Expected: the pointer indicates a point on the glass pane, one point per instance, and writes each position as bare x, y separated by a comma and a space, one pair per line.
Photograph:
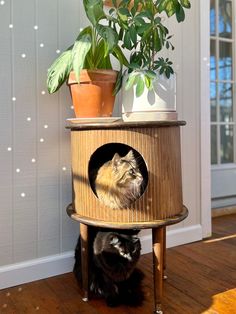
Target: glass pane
226, 102
213, 18
225, 18
213, 101
225, 61
213, 60
226, 147
213, 144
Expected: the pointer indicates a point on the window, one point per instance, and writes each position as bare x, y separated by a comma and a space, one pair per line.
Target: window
222, 88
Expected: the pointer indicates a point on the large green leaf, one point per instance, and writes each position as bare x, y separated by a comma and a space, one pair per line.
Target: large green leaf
94, 10
59, 71
133, 35
80, 49
131, 80
118, 53
185, 3
123, 14
109, 36
172, 7
101, 61
118, 82
180, 15
127, 40
140, 86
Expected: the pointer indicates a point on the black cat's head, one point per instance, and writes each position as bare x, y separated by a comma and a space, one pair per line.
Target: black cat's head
126, 246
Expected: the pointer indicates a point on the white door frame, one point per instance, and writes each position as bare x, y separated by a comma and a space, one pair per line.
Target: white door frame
205, 144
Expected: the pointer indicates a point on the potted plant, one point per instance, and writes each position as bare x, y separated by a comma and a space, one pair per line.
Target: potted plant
148, 89
86, 65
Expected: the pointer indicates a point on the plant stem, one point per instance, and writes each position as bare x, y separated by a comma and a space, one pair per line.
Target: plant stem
94, 35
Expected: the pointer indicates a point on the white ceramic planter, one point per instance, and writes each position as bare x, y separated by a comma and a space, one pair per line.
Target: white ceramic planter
152, 105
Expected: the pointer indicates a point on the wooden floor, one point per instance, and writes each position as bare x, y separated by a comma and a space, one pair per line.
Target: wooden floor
201, 279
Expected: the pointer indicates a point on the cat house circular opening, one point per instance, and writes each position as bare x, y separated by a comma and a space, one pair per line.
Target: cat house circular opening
117, 174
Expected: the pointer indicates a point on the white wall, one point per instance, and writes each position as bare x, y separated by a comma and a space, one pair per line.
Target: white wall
36, 225
191, 64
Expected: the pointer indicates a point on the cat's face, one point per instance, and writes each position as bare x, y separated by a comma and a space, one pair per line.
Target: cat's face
127, 246
126, 172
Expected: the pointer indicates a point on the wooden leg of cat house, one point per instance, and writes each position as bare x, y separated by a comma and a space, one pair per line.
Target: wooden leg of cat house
158, 254
164, 253
84, 233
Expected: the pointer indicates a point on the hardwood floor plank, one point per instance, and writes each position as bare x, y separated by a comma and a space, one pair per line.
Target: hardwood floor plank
201, 280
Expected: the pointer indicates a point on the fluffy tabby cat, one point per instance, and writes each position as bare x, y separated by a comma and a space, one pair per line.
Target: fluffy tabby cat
119, 181
112, 272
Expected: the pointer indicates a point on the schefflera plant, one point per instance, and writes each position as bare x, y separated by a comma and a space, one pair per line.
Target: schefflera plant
143, 33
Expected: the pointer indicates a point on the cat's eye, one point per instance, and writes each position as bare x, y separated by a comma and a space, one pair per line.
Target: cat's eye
135, 239
131, 171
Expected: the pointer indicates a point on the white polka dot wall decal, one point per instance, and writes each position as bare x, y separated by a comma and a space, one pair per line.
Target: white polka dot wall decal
33, 160
45, 126
28, 119
13, 98
43, 92
10, 25
58, 51
22, 195
2, 2
18, 170
41, 140
9, 149
64, 168
23, 55
36, 27
41, 45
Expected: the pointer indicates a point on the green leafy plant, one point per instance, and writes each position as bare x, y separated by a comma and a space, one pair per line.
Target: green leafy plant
142, 32
91, 49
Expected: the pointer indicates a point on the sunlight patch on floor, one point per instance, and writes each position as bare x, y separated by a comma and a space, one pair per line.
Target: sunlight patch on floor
221, 239
223, 303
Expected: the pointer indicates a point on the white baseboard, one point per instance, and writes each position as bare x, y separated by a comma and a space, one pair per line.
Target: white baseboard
41, 268
174, 237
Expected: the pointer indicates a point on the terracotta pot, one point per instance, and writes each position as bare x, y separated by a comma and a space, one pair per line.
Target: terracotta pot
93, 97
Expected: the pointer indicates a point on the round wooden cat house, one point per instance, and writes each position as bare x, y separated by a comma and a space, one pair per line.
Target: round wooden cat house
156, 146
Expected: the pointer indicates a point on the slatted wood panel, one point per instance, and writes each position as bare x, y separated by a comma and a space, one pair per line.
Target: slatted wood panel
159, 147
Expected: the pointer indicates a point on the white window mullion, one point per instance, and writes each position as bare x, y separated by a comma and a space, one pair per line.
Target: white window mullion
217, 86
234, 75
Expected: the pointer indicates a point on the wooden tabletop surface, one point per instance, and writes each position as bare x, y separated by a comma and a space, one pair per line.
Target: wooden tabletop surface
76, 124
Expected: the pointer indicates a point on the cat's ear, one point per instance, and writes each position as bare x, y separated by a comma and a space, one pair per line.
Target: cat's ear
114, 240
130, 157
116, 159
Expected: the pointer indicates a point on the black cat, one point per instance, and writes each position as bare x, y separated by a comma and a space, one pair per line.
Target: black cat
112, 273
